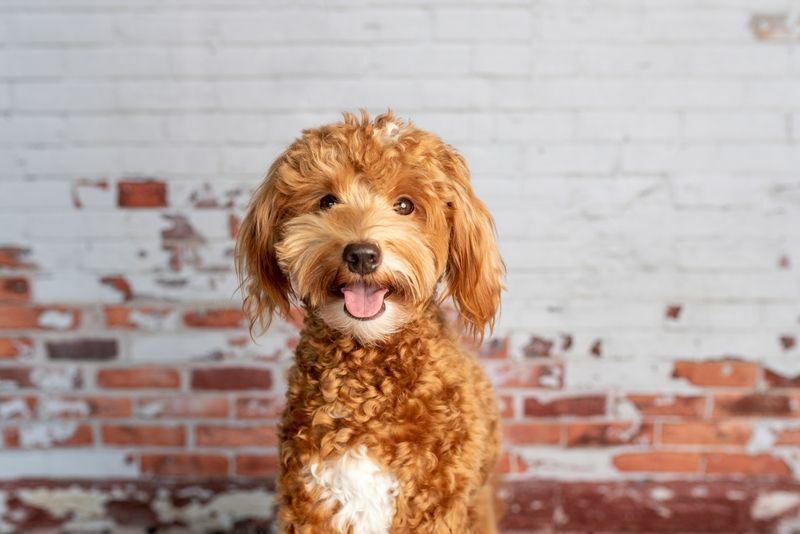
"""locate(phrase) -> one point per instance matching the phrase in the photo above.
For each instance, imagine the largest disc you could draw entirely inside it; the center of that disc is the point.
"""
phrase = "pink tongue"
(362, 300)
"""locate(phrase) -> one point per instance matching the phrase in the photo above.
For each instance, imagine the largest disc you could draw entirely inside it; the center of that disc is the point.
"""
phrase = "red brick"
(13, 347)
(538, 347)
(608, 434)
(658, 462)
(234, 223)
(142, 194)
(670, 405)
(231, 378)
(83, 349)
(120, 284)
(755, 464)
(28, 317)
(789, 436)
(184, 465)
(121, 316)
(526, 375)
(532, 433)
(223, 318)
(510, 463)
(16, 377)
(761, 405)
(14, 289)
(139, 377)
(703, 433)
(236, 436)
(13, 257)
(717, 373)
(260, 407)
(777, 380)
(257, 465)
(494, 349)
(586, 405)
(82, 437)
(162, 436)
(91, 406)
(506, 403)
(194, 406)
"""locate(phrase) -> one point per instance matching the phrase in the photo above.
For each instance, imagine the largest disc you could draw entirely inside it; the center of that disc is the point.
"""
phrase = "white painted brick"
(457, 128)
(63, 96)
(72, 287)
(31, 129)
(188, 287)
(166, 95)
(116, 62)
(778, 95)
(133, 255)
(106, 129)
(48, 195)
(538, 126)
(739, 126)
(621, 126)
(705, 316)
(513, 60)
(170, 160)
(578, 159)
(250, 160)
(696, 26)
(292, 25)
(70, 162)
(30, 63)
(96, 225)
(58, 28)
(66, 463)
(184, 26)
(421, 60)
(732, 254)
(468, 24)
(491, 158)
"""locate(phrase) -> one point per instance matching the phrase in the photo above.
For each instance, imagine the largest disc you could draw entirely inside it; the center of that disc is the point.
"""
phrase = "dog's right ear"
(266, 289)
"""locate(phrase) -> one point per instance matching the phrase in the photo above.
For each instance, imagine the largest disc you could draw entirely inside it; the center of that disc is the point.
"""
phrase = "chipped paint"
(47, 434)
(81, 507)
(14, 408)
(551, 378)
(55, 378)
(49, 407)
(55, 319)
(774, 504)
(154, 320)
(661, 494)
(222, 512)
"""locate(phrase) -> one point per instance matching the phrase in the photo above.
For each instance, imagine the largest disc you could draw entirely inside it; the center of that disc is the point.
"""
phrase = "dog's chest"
(363, 494)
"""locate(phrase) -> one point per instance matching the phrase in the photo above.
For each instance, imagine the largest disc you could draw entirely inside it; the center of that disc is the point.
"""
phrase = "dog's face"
(359, 221)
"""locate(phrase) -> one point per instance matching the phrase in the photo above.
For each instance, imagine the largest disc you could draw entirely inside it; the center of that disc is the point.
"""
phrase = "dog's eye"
(327, 202)
(403, 206)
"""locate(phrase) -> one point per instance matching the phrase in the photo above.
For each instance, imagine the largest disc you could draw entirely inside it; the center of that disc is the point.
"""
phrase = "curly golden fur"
(381, 390)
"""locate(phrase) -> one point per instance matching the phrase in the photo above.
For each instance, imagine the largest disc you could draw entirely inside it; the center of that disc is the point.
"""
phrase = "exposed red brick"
(532, 433)
(608, 434)
(236, 436)
(494, 349)
(223, 318)
(673, 312)
(526, 375)
(162, 436)
(257, 465)
(585, 406)
(538, 347)
(13, 257)
(88, 406)
(784, 262)
(231, 378)
(34, 317)
(510, 463)
(750, 464)
(234, 223)
(596, 349)
(506, 403)
(184, 465)
(566, 342)
(732, 404)
(83, 183)
(14, 347)
(17, 408)
(16, 377)
(147, 193)
(124, 316)
(85, 349)
(684, 406)
(14, 289)
(194, 406)
(788, 436)
(717, 373)
(658, 462)
(788, 342)
(120, 284)
(259, 407)
(777, 380)
(139, 377)
(706, 433)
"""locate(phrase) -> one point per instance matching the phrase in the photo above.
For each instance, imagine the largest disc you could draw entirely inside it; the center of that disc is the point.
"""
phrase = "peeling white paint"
(154, 320)
(222, 512)
(46, 434)
(736, 495)
(788, 367)
(50, 407)
(79, 504)
(552, 378)
(623, 408)
(661, 494)
(562, 464)
(774, 504)
(5, 528)
(150, 409)
(55, 319)
(54, 378)
(14, 408)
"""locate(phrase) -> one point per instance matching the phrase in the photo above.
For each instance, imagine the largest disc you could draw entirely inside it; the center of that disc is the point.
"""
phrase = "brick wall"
(642, 160)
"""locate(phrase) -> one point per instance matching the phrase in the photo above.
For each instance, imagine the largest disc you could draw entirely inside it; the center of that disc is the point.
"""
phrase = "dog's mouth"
(364, 301)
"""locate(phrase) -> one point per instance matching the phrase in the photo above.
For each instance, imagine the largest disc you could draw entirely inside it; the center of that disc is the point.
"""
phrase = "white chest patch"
(364, 493)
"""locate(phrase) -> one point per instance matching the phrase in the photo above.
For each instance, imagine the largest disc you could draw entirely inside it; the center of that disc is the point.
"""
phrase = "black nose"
(362, 258)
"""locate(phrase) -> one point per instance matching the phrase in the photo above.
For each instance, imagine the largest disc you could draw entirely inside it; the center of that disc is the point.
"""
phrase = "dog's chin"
(368, 330)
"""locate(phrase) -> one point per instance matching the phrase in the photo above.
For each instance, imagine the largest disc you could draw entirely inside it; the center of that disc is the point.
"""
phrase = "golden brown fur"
(399, 384)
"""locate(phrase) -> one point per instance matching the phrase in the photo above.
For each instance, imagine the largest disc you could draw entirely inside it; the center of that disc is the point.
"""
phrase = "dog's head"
(359, 221)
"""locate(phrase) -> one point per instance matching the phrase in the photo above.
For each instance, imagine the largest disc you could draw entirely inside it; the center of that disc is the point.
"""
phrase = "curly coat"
(390, 426)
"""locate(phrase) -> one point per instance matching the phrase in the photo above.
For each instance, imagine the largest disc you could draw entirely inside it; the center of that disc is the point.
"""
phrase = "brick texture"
(640, 160)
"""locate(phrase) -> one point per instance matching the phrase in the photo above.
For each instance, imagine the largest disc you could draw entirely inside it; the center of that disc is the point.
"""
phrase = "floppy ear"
(474, 268)
(265, 287)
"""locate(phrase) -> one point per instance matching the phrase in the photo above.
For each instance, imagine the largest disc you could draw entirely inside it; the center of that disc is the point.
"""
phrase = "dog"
(390, 426)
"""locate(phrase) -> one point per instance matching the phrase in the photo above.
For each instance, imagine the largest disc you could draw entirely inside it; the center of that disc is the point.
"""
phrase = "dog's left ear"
(474, 268)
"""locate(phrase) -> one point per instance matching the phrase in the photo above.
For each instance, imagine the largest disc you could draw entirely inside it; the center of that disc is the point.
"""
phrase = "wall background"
(642, 160)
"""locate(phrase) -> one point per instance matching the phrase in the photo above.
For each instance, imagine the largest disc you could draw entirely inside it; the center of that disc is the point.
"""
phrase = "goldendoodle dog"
(390, 426)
